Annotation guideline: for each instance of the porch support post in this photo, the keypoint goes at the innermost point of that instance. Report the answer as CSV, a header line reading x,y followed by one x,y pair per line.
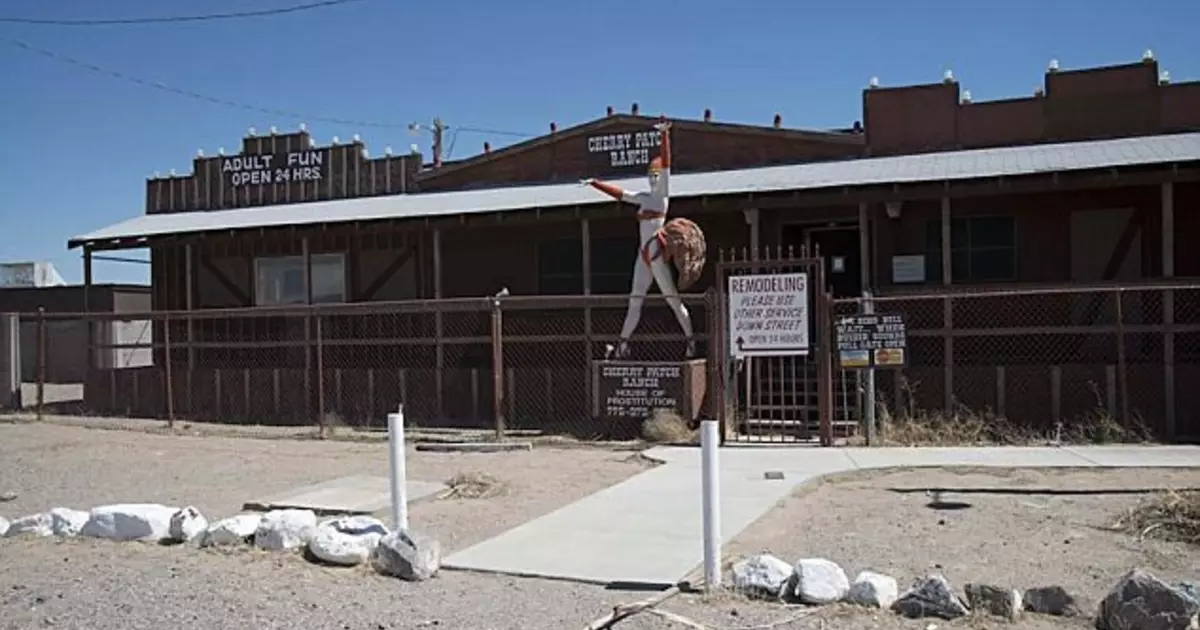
x,y
751,215
585,247
440,358
306,253
864,246
87,309
1168,306
189,287
947,312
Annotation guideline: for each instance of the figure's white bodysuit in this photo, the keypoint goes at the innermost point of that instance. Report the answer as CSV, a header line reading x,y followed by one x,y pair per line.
x,y
651,266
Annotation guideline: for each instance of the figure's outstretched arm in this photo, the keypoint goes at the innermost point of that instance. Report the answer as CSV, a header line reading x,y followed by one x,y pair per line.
x,y
616,192
664,132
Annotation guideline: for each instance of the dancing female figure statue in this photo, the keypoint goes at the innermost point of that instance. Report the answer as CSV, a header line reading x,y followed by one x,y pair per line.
x,y
661,243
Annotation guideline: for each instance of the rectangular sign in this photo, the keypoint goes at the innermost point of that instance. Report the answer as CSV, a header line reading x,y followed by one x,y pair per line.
x,y
870,341
278,168
627,149
630,390
768,315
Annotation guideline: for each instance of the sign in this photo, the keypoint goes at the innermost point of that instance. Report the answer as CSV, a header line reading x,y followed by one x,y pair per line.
x,y
623,150
908,269
768,315
870,341
635,391
277,168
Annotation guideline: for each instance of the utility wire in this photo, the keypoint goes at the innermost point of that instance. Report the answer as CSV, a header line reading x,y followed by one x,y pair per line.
x,y
158,85
208,17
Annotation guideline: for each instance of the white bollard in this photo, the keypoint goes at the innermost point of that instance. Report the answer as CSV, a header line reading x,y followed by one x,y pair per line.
x,y
396,467
711,488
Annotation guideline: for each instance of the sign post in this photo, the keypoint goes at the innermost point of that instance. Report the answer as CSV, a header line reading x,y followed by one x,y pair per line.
x,y
768,315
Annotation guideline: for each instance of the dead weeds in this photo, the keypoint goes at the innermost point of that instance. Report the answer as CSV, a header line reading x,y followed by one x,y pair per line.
x,y
473,485
668,427
1172,516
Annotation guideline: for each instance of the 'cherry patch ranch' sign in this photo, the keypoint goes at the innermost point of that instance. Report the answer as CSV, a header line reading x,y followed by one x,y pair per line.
x,y
625,149
274,168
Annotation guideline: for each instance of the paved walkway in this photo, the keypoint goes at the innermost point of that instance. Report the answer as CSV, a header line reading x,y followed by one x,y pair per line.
x,y
647,529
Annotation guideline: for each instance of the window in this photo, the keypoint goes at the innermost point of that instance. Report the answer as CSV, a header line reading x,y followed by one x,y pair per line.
x,y
560,266
280,281
982,249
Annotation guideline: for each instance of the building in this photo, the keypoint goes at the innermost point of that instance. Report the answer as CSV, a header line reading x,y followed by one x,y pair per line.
x,y
932,195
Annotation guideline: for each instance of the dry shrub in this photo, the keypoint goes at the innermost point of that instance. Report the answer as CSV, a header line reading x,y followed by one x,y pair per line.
x,y
473,485
965,426
666,426
1170,515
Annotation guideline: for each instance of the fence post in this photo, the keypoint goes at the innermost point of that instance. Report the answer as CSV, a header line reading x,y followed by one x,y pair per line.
x,y
868,308
498,365
41,362
169,387
320,380
11,378
1122,367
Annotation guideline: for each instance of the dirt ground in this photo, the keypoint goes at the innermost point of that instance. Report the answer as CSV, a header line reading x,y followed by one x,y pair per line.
x,y
1012,532
1018,528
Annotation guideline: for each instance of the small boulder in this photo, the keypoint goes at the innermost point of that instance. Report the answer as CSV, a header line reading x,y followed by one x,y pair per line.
x,y
1050,600
187,525
1144,602
347,541
761,576
67,522
994,600
819,581
874,590
40,524
3,526
282,530
130,521
930,597
408,556
235,530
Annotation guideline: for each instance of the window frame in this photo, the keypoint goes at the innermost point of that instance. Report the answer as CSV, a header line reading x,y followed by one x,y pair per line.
x,y
263,264
603,281
968,250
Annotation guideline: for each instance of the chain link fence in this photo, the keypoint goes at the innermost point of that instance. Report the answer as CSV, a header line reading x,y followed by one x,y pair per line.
x,y
497,364
1049,360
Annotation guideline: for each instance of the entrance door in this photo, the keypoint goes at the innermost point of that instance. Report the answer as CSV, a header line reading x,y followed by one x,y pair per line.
x,y
839,247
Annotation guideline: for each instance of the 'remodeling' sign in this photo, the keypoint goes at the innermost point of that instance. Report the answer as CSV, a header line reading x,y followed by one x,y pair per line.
x,y
626,149
768,315
274,168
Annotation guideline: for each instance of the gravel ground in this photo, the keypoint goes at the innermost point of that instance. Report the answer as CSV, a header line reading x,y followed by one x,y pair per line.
x,y
1017,536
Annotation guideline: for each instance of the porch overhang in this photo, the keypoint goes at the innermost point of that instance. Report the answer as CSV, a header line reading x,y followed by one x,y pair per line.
x,y
1010,170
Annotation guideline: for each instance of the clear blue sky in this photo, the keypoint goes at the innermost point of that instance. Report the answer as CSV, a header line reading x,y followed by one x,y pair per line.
x,y
78,146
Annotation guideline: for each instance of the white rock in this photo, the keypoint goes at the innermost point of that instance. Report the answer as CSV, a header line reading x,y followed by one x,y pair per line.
x,y
234,530
130,521
3,526
187,525
347,541
285,529
67,522
408,556
875,590
761,575
40,524
820,581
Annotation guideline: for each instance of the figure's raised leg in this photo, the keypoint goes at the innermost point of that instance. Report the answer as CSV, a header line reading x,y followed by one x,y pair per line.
x,y
666,284
642,279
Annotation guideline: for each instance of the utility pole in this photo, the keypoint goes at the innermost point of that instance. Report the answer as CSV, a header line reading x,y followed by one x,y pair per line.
x,y
438,129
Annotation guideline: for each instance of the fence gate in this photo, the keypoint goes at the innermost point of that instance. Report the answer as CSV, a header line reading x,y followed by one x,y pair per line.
x,y
773,347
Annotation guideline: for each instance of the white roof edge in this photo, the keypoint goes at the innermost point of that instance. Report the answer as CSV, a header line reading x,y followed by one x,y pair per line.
x,y
926,167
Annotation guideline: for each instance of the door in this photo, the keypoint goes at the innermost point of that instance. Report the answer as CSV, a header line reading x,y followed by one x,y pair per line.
x,y
839,246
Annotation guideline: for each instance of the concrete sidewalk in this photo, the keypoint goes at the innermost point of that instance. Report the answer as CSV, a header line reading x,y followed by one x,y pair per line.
x,y
647,529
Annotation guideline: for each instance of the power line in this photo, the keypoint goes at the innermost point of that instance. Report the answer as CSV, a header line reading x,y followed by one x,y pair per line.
x,y
207,17
158,85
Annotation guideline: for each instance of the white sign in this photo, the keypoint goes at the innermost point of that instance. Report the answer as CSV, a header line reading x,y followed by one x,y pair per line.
x,y
908,269
626,149
768,315
297,166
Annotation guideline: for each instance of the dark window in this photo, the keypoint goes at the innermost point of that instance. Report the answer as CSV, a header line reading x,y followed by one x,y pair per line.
x,y
982,249
560,266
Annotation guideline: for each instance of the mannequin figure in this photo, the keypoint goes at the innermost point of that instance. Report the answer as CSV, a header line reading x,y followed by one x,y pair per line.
x,y
652,264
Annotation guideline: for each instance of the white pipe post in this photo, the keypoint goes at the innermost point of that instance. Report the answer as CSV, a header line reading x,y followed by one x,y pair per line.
x,y
710,486
396,467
